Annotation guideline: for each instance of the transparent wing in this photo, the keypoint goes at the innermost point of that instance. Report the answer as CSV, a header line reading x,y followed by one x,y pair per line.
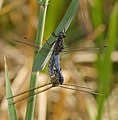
x,y
48,86
84,49
44,53
66,50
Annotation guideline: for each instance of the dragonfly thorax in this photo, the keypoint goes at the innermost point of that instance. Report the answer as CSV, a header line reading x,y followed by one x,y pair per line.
x,y
59,46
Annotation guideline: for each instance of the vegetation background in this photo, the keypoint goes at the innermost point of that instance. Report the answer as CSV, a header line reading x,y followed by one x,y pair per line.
x,y
95,24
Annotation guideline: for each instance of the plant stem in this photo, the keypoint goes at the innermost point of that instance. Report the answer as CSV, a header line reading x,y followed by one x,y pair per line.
x,y
38,42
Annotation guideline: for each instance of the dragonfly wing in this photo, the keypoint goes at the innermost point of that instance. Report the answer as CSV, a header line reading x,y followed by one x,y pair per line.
x,y
86,49
45,52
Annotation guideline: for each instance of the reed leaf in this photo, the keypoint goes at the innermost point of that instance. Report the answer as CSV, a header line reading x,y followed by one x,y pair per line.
x,y
11,107
106,65
38,42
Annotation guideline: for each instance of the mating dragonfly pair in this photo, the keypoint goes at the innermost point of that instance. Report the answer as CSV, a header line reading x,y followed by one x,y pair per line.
x,y
54,69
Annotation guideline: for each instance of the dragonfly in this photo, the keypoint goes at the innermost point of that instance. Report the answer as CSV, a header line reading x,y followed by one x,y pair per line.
x,y
55,73
54,62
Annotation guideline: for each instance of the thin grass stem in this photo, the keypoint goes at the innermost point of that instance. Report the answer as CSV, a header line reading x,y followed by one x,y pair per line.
x,y
38,42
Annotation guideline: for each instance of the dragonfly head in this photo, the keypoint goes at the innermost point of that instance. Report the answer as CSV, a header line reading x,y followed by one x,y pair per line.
x,y
62,34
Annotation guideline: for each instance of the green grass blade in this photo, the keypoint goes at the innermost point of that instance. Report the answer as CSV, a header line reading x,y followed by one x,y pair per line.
x,y
11,107
40,61
54,15
97,16
38,42
31,101
41,23
97,12
106,65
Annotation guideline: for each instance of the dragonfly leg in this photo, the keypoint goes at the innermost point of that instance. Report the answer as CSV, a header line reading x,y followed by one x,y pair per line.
x,y
64,33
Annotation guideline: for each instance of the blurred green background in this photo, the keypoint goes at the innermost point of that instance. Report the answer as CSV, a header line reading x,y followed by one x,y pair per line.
x,y
94,25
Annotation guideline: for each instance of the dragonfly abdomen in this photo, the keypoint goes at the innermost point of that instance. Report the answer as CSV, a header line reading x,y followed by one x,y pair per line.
x,y
55,70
